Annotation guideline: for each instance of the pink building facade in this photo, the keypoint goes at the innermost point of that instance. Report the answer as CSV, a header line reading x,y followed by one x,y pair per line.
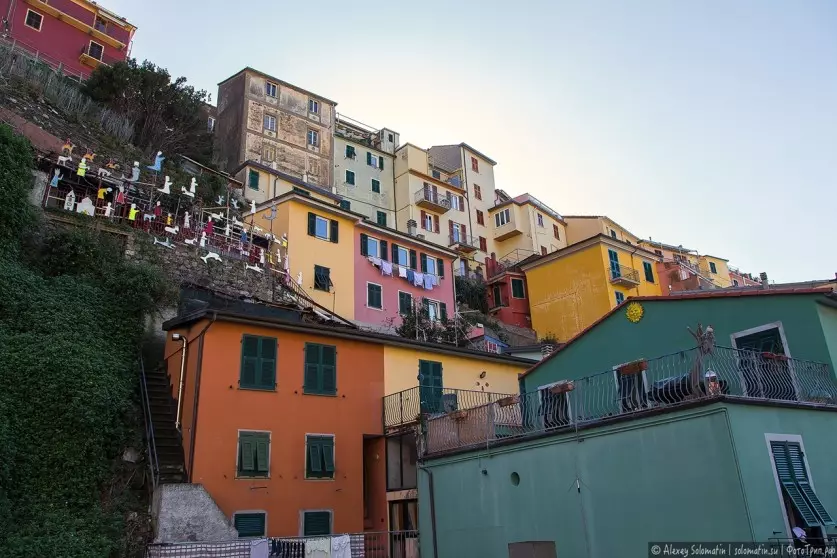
x,y
75,35
395,272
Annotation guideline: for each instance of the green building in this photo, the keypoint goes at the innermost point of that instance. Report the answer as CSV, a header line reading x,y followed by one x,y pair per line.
x,y
636,432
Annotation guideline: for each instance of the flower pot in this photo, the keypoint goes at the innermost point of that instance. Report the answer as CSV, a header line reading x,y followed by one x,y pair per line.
x,y
508,401
634,367
773,356
563,386
458,415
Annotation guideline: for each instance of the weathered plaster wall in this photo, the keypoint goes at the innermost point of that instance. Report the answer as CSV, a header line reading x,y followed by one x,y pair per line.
x,y
228,127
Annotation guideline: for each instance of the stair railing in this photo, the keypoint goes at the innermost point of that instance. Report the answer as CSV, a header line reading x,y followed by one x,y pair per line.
x,y
153,461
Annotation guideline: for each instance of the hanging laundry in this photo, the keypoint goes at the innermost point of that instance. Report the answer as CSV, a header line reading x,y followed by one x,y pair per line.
x,y
386,268
376,261
341,547
402,272
287,548
428,281
418,279
260,548
318,548
410,275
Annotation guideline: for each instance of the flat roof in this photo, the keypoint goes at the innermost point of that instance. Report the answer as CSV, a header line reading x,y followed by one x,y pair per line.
x,y
469,148
292,179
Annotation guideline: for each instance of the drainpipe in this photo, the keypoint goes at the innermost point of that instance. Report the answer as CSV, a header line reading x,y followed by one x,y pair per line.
x,y
199,368
467,195
181,338
432,510
275,180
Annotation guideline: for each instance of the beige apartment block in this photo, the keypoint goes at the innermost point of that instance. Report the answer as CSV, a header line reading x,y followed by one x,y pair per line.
x,y
524,225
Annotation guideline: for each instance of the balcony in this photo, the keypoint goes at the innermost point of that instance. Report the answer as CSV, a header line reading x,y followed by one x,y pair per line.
x,y
431,200
672,381
92,57
407,407
506,230
623,275
462,243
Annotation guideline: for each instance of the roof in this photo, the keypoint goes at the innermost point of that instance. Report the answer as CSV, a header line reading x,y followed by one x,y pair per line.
x,y
471,149
663,245
292,179
308,200
372,225
279,81
343,333
713,257
538,259
718,293
523,199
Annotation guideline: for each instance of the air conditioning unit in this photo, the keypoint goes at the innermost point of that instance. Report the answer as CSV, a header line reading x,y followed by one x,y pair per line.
x,y
421,236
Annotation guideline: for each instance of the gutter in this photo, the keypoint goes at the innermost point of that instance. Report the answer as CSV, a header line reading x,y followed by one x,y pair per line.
x,y
432,509
199,367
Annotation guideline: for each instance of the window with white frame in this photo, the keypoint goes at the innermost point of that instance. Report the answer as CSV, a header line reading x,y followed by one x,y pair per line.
x,y
428,222
454,203
95,50
374,296
34,20
270,89
456,233
373,160
433,310
321,227
431,266
502,217
210,124
313,138
313,106
403,257
269,123
373,246
540,220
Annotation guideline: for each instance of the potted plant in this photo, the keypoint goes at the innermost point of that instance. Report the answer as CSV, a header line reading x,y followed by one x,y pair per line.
x,y
508,401
563,386
634,367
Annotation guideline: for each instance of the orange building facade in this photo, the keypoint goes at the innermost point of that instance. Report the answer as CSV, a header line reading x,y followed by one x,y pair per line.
x,y
282,424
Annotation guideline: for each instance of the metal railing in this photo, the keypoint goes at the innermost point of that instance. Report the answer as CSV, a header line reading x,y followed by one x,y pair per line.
x,y
381,544
623,274
16,46
463,240
153,461
407,406
425,194
667,381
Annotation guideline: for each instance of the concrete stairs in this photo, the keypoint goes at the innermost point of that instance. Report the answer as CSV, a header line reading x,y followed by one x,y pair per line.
x,y
166,437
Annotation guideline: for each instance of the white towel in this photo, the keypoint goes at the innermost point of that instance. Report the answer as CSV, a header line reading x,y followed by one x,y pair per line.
x,y
402,271
259,548
376,261
418,279
386,268
341,547
318,548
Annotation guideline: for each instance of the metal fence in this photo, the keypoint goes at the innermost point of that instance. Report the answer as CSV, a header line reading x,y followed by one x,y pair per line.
x,y
153,462
666,381
383,544
408,406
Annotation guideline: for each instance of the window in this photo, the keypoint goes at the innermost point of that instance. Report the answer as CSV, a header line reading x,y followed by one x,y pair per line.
x,y
455,202
477,192
250,524
428,264
371,160
649,271
401,256
475,165
350,152
612,233
313,106
316,523
269,123
427,222
555,232
301,191
502,217
350,177
253,454
735,282
615,269
401,462
434,310
431,395
374,296
258,363
319,458
268,152
712,267
791,468
100,24
373,246
346,204
253,180
405,302
381,218
95,50
34,20
436,174
376,186
659,253
323,228
517,288
322,278
320,369
554,407
540,220
390,137
483,244
270,89
543,250
313,138
210,124
632,390
497,295
620,297
763,377
480,218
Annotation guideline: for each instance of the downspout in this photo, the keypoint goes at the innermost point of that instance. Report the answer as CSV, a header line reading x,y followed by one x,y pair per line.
x,y
199,367
467,195
432,509
8,28
182,338
634,266
275,180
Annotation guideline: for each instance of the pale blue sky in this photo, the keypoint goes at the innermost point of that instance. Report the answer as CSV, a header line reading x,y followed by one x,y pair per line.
x,y
711,124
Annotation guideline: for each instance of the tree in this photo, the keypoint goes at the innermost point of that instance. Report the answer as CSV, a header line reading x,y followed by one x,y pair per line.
x,y
416,324
168,116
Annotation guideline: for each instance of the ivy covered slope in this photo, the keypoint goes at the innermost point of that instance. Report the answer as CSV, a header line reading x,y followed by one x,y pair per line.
x,y
71,326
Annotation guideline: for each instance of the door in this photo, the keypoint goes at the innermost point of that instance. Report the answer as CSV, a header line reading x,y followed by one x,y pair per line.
x,y
430,386
614,264
403,518
764,367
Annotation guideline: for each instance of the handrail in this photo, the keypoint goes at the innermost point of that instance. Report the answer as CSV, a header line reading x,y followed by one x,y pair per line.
x,y
153,461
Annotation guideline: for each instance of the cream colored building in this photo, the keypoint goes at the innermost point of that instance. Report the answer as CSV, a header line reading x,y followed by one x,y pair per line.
x,y
364,169
265,120
582,227
523,225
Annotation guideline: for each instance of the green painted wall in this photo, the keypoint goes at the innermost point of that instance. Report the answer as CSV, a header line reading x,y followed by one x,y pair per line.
x,y
670,477
749,424
662,330
828,321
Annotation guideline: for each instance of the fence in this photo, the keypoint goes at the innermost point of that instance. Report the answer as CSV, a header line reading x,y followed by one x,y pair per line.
x,y
407,406
153,462
383,544
643,385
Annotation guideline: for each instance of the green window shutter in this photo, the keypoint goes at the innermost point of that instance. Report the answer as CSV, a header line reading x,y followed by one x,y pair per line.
x,y
253,180
423,259
384,252
315,465
712,267
364,244
312,224
381,163
328,455
374,295
350,151
249,361
787,457
382,218
405,303
394,253
376,186
440,267
249,524
425,307
328,369
443,311
649,272
334,230
267,363
311,382
517,288
368,158
247,450
350,177
315,524
262,454
412,259
346,204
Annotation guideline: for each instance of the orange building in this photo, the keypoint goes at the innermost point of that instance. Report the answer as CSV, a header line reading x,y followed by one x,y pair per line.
x,y
281,423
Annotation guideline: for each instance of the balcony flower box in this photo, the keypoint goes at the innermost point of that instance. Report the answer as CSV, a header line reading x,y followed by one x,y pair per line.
x,y
774,356
634,367
508,401
459,415
564,386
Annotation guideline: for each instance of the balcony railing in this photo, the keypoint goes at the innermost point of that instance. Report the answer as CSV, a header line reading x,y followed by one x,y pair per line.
x,y
642,386
431,199
407,407
623,275
463,242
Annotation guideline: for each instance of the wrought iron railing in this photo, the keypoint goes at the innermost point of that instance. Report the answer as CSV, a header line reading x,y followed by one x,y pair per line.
x,y
151,443
407,407
428,195
622,273
463,240
382,544
644,385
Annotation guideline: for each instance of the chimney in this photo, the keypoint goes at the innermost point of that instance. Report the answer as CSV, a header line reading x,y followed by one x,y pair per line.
x,y
763,277
411,227
547,350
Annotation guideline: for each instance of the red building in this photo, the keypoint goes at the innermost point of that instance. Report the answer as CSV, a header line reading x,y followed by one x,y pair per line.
x,y
507,292
74,35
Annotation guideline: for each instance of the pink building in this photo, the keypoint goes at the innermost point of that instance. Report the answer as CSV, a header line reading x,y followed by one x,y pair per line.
x,y
75,35
395,271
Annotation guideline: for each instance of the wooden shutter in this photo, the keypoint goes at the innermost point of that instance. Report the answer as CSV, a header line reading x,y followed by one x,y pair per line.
x,y
464,231
413,262
394,253
787,467
316,524
450,230
443,311
384,253
364,243
380,162
461,203
249,524
423,219
247,447
440,267
334,231
312,224
267,362
262,453
368,158
328,368
436,223
423,259
249,361
315,464
425,307
327,448
312,382
405,302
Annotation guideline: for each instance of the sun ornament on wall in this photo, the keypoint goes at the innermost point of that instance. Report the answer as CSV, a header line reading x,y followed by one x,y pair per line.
x,y
634,312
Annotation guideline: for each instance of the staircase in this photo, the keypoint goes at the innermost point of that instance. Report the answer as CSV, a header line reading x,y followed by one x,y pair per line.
x,y
165,450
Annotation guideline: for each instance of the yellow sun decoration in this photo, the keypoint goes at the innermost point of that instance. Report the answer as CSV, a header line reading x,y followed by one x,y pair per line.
x,y
634,312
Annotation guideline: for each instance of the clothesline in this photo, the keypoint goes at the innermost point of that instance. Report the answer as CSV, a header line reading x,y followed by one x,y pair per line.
x,y
416,278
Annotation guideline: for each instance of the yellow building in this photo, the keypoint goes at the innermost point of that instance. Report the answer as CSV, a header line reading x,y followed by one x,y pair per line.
x,y
573,287
716,269
526,225
582,227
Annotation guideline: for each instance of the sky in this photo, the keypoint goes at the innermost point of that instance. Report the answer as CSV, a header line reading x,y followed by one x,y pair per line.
x,y
709,124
